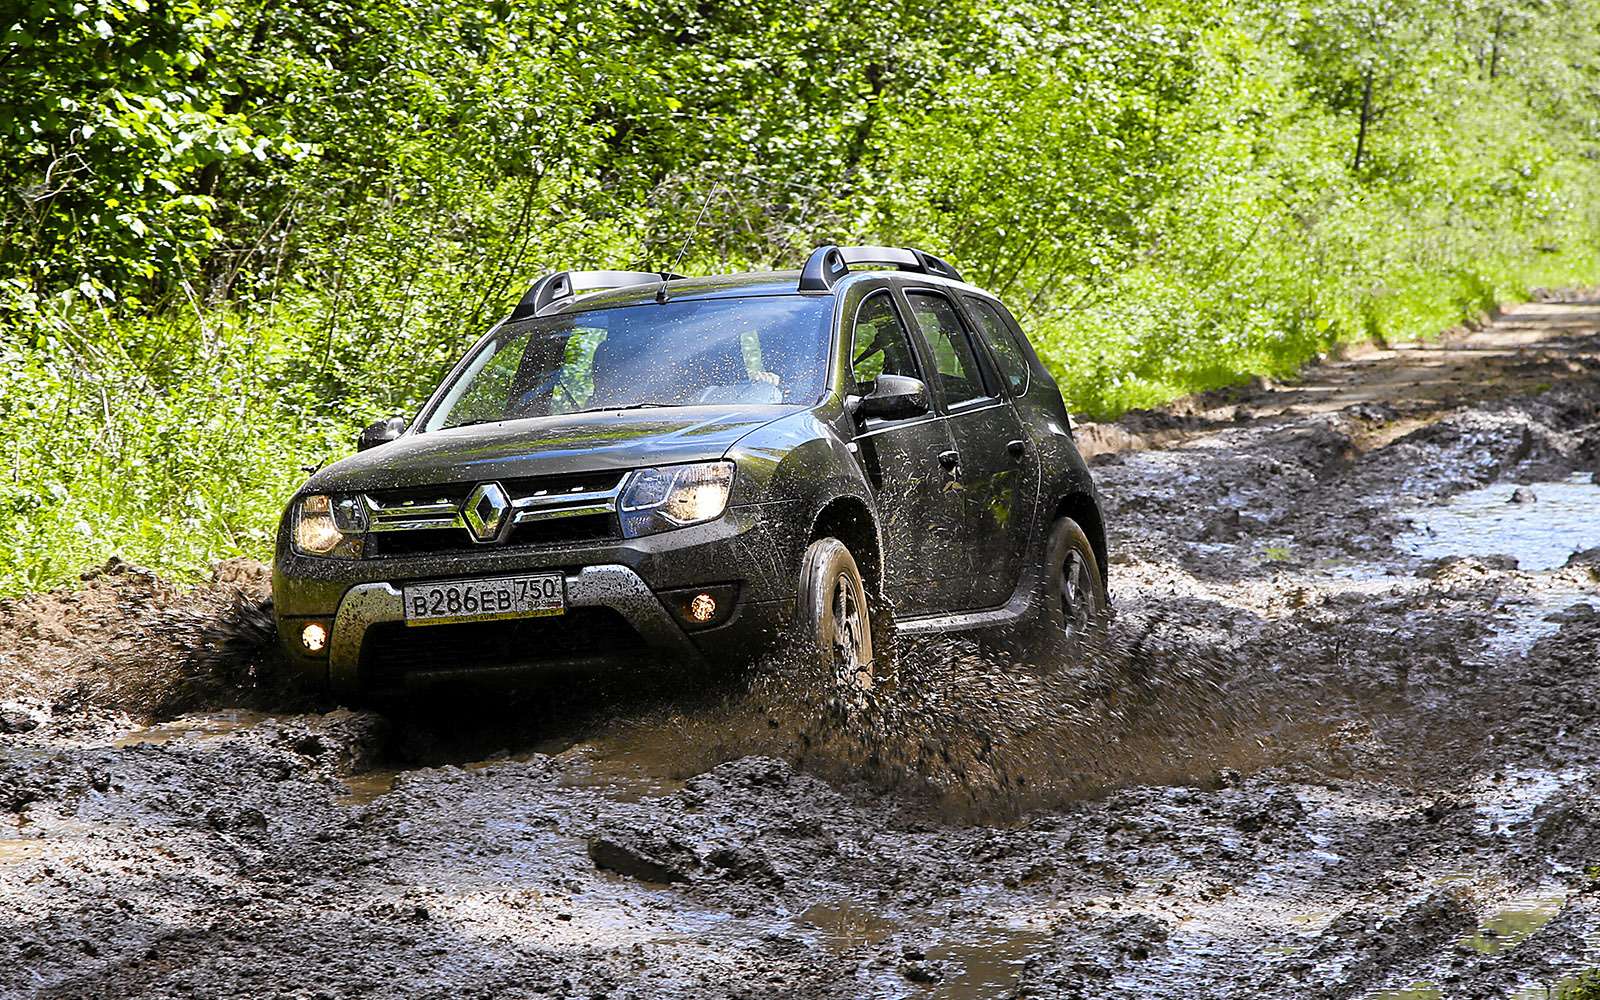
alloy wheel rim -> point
(1074, 595)
(848, 627)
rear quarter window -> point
(1001, 336)
(959, 375)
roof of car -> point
(827, 268)
(724, 286)
(718, 286)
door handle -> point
(1017, 448)
(951, 460)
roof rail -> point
(827, 264)
(555, 289)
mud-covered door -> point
(998, 468)
(907, 461)
(999, 333)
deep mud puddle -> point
(622, 763)
(1514, 921)
(1416, 991)
(926, 958)
(1541, 527)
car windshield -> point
(760, 349)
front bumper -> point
(749, 547)
(616, 587)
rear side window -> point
(936, 317)
(881, 344)
(1002, 340)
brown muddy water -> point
(1340, 740)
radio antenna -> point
(661, 293)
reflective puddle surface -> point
(1539, 533)
(1416, 991)
(208, 725)
(367, 787)
(988, 964)
(1515, 922)
(14, 850)
(845, 925)
(1563, 519)
(622, 768)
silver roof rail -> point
(554, 290)
(827, 264)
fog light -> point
(314, 637)
(703, 608)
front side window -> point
(881, 344)
(756, 350)
(958, 369)
(1003, 342)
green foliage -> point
(233, 231)
(1583, 986)
(108, 150)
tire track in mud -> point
(1306, 759)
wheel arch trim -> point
(1083, 508)
(849, 518)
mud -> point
(1339, 741)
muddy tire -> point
(1073, 601)
(834, 613)
(1074, 588)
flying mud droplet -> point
(980, 736)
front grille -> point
(548, 510)
(564, 530)
(573, 482)
(393, 649)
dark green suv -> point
(636, 468)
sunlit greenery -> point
(234, 232)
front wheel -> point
(834, 610)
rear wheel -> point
(1072, 598)
(1075, 590)
(834, 610)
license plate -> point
(486, 600)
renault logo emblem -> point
(485, 511)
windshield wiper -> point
(625, 406)
(593, 409)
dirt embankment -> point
(1344, 738)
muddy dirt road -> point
(1343, 741)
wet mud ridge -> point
(1343, 740)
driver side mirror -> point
(893, 397)
(381, 432)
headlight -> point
(674, 496)
(329, 526)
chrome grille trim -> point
(541, 505)
(578, 503)
(413, 516)
(524, 516)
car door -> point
(909, 465)
(998, 471)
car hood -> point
(580, 442)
